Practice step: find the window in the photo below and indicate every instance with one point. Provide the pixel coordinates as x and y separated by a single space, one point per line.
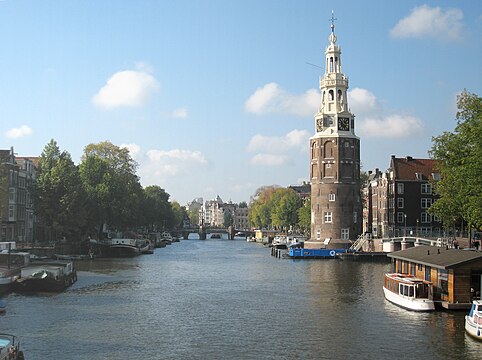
331 197
400 188
400 203
400 217
443 281
328 216
355 217
419 267
428 276
391 203
426 203
425 217
318 234
345 234
426 188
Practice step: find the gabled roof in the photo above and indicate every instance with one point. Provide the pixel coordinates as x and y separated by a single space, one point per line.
439 257
407 168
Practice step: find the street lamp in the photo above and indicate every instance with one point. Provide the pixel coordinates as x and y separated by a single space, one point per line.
405 226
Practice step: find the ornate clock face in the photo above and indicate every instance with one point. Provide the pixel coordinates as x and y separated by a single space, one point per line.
343 124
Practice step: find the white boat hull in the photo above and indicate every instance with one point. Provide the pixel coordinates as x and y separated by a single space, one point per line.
472 329
409 303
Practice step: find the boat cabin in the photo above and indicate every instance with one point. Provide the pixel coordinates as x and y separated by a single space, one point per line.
409 286
456 274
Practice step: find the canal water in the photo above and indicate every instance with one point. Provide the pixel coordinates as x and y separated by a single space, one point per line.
222 299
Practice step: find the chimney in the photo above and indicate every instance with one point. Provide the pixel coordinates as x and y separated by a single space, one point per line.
409 158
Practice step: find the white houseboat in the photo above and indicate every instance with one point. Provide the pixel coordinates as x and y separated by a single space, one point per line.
409 292
473 321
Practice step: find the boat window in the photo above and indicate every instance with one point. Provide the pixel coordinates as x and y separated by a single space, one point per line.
410 291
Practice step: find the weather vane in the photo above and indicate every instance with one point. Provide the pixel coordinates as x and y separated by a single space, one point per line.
333 21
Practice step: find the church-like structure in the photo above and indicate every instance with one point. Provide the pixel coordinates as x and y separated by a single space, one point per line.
336 208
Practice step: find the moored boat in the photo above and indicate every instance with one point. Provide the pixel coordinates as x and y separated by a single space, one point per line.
10 348
409 292
299 252
46 277
473 321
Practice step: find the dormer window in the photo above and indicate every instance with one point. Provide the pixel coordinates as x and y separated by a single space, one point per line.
419 176
436 176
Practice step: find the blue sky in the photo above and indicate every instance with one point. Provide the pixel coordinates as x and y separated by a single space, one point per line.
217 97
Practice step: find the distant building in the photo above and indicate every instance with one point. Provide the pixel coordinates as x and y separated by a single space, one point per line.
241 218
303 190
397 201
17 175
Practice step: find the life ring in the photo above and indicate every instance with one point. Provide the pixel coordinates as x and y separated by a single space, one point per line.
332 253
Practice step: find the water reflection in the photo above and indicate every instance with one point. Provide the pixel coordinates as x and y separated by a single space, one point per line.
221 299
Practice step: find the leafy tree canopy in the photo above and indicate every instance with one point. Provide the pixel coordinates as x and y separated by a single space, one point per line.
459 156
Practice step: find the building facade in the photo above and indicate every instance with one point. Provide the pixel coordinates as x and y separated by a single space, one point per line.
17 176
336 211
397 201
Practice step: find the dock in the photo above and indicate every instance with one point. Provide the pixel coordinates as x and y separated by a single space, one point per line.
364 256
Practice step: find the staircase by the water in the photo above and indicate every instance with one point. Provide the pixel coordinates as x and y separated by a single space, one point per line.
358 244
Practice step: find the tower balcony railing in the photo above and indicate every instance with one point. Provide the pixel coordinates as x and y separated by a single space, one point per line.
343 82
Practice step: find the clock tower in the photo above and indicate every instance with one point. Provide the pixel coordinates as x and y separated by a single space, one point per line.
334 160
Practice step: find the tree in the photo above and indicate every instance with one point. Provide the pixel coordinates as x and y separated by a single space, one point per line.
304 217
459 161
178 213
156 209
109 178
284 213
273 206
59 199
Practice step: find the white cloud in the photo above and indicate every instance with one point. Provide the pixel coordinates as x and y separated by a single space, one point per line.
362 102
273 144
427 22
393 126
273 150
271 98
126 88
180 113
173 162
19 132
134 150
268 159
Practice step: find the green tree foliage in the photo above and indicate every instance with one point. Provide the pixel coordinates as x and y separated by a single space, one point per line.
459 156
304 217
274 207
157 210
178 215
109 177
59 199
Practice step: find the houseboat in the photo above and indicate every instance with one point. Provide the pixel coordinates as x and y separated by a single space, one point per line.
11 265
46 277
10 348
453 272
473 321
409 292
